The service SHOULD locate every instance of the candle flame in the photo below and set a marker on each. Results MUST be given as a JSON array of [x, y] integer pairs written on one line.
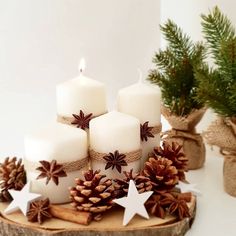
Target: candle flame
[[140, 75], [82, 65]]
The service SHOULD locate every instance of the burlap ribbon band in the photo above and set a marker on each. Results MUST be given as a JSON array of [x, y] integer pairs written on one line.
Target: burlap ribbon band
[[156, 129], [67, 166], [69, 120], [129, 156]]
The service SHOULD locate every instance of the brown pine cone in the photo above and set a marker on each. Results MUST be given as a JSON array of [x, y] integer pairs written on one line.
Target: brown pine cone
[[93, 194], [12, 176], [174, 153], [142, 183], [161, 172]]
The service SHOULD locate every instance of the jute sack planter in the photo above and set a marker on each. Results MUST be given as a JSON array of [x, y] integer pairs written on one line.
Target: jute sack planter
[[183, 131], [222, 133]]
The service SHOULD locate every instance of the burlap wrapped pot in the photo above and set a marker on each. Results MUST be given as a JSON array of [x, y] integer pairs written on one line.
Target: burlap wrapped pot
[[183, 131], [222, 133]]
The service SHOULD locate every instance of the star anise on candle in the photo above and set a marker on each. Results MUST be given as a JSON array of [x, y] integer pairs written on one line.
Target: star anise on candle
[[51, 170], [115, 160], [177, 205], [39, 211], [146, 131], [82, 120]]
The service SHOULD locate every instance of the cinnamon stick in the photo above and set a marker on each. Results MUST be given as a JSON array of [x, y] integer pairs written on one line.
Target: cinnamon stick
[[71, 215]]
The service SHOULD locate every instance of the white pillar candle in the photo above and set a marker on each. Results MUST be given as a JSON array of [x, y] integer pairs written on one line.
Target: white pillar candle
[[112, 132], [81, 93], [142, 101], [58, 142]]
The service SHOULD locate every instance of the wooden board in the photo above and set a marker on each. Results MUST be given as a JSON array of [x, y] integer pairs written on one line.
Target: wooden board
[[16, 224]]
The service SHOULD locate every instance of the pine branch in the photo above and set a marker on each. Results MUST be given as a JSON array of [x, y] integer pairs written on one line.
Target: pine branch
[[174, 71], [217, 87], [217, 28]]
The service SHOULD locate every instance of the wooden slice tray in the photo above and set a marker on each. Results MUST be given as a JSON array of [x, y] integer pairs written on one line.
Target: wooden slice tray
[[16, 224]]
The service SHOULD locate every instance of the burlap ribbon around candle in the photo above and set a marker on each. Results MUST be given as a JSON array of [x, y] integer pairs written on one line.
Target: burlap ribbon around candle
[[156, 129], [129, 156], [68, 120], [183, 132], [67, 166], [222, 133]]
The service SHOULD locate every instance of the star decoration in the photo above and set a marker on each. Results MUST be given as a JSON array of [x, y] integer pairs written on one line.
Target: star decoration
[[184, 187], [51, 170], [115, 159], [146, 131], [133, 203], [82, 120], [21, 200]]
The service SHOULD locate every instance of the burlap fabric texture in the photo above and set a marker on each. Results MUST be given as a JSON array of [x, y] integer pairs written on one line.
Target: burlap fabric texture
[[183, 132], [222, 133]]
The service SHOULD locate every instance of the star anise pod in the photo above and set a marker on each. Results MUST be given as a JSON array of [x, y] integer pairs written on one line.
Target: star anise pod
[[174, 153], [156, 206], [51, 170], [146, 131], [177, 205], [115, 160], [82, 120], [39, 211]]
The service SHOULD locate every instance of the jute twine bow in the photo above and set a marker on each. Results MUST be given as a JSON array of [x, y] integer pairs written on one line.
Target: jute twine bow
[[129, 156], [67, 166]]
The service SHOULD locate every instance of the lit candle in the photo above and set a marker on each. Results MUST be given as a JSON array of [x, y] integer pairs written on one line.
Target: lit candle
[[80, 94], [66, 145], [143, 101], [116, 134]]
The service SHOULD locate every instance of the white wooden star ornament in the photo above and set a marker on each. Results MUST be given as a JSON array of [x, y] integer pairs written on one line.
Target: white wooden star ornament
[[21, 200], [134, 203]]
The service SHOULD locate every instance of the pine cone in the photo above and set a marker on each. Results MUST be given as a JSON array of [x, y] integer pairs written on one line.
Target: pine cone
[[12, 176], [142, 183], [93, 194], [174, 153], [161, 172]]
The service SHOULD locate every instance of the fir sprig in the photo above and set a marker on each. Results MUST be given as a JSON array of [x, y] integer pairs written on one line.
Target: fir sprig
[[217, 87], [175, 70]]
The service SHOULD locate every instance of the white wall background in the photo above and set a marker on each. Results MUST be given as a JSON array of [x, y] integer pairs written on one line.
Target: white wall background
[[41, 42]]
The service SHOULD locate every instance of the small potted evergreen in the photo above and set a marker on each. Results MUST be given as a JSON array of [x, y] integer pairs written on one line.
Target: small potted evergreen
[[217, 89], [174, 73]]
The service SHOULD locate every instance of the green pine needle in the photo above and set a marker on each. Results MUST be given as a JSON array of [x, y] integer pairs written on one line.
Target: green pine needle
[[174, 71], [217, 87]]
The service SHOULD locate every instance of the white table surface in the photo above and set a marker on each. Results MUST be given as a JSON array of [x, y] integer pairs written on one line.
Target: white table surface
[[24, 108]]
